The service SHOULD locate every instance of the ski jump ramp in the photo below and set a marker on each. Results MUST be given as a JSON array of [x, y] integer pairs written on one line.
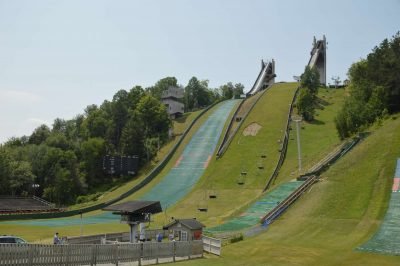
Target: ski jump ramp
[[318, 58], [265, 78]]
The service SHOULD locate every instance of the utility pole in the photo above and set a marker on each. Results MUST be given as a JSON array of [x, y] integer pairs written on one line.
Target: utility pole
[[298, 120]]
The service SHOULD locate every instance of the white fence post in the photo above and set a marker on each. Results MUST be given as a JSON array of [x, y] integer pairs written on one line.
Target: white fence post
[[212, 245], [140, 254], [174, 252]]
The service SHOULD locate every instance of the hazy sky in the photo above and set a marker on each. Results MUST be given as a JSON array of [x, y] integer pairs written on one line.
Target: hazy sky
[[57, 57]]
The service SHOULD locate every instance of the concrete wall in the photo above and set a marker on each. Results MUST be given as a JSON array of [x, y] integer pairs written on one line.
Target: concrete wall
[[173, 106]]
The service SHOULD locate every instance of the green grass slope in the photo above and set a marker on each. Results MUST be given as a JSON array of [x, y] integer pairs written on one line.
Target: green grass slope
[[317, 138], [244, 153], [335, 216]]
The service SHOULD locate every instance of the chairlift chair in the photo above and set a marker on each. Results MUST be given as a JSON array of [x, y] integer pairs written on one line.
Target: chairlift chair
[[202, 205], [212, 194], [260, 165], [240, 180]]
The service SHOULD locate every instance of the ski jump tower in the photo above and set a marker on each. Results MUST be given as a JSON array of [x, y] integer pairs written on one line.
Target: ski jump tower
[[265, 78], [318, 58]]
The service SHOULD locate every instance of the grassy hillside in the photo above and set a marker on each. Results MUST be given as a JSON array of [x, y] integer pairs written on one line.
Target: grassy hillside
[[244, 153], [338, 214], [179, 126], [317, 138]]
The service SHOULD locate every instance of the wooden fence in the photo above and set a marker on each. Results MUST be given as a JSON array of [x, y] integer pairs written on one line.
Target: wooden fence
[[36, 254], [212, 245]]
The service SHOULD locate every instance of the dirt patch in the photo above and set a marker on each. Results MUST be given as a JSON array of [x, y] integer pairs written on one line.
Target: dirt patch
[[252, 129]]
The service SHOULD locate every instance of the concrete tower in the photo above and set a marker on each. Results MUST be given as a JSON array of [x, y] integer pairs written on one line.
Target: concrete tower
[[318, 58], [265, 78]]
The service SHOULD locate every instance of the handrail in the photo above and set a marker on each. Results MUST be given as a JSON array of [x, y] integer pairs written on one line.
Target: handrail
[[278, 210], [224, 146], [284, 145], [311, 177], [44, 201], [226, 134]]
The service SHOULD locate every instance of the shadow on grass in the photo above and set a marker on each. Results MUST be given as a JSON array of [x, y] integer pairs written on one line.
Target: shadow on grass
[[364, 134], [182, 119], [321, 103], [317, 122]]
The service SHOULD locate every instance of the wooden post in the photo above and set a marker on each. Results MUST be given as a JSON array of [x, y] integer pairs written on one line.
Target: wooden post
[[174, 252], [68, 248], [190, 248], [93, 260], [158, 244], [115, 254], [31, 251], [140, 253]]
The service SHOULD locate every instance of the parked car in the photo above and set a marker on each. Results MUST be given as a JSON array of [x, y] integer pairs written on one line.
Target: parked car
[[12, 240]]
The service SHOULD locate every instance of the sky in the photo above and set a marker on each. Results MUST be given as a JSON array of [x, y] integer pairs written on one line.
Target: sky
[[57, 57]]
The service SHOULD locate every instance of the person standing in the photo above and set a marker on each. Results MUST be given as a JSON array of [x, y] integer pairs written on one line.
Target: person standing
[[159, 237], [56, 239]]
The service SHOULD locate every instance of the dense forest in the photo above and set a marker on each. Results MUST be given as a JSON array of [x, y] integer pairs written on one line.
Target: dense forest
[[374, 88], [65, 161]]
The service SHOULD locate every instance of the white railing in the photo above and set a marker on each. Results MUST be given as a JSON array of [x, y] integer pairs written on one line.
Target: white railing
[[151, 252], [119, 237], [212, 245]]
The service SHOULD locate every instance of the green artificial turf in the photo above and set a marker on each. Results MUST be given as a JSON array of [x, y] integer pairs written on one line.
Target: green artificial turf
[[334, 217]]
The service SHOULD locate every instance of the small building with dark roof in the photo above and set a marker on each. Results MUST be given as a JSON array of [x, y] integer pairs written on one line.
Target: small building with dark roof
[[185, 229]]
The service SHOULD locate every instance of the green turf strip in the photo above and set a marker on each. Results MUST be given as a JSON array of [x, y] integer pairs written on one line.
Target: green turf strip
[[387, 239], [257, 210]]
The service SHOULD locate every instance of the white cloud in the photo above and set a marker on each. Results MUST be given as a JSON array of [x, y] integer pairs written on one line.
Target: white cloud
[[18, 97]]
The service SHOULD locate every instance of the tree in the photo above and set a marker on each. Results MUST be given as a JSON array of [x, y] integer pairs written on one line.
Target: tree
[[162, 85], [62, 180], [119, 114], [17, 142], [305, 104], [153, 113], [5, 170], [191, 93], [39, 135], [57, 140], [93, 151], [310, 80], [132, 139], [307, 97], [59, 125], [227, 90], [20, 175], [374, 88], [97, 123], [238, 90], [149, 121]]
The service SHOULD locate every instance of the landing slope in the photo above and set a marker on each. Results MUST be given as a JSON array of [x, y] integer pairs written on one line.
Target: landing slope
[[340, 212], [244, 154]]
